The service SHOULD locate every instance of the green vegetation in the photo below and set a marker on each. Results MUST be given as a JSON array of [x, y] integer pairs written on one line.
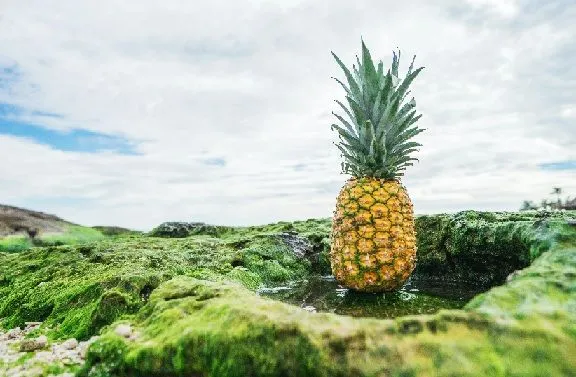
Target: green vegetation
[[112, 231], [192, 327], [14, 244], [73, 235], [545, 204], [192, 304], [78, 289], [483, 247]]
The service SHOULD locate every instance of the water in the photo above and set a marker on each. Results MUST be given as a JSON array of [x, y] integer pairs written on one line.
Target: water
[[323, 294]]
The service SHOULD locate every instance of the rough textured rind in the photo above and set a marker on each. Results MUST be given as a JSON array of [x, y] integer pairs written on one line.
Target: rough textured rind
[[373, 236]]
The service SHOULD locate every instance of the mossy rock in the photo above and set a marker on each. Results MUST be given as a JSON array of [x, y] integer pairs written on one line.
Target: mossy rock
[[193, 305], [193, 327], [184, 229]]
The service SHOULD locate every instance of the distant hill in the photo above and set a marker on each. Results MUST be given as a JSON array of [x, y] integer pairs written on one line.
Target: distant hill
[[15, 220], [21, 229]]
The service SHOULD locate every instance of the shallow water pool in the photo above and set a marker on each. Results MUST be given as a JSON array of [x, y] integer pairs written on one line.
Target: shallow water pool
[[324, 294]]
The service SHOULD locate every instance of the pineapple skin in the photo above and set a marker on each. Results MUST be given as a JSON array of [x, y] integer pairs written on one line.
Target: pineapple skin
[[373, 246]]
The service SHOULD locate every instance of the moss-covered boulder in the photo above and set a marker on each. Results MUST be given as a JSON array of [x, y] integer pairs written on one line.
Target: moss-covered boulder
[[193, 310], [78, 289], [192, 327], [480, 247], [178, 229]]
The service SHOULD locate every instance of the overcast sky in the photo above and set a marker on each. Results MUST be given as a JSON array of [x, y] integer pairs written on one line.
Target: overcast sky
[[132, 113]]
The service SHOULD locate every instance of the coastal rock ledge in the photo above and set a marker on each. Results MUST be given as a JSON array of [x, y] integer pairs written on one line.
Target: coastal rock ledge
[[155, 306]]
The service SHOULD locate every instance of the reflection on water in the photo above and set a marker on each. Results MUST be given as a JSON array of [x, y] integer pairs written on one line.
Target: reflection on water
[[323, 294]]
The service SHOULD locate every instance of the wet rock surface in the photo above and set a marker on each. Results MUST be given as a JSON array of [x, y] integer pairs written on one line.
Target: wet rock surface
[[299, 245]]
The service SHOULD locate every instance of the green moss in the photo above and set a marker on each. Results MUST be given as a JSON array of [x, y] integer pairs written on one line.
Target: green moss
[[73, 235], [14, 244], [243, 275], [215, 340], [213, 329], [270, 258], [186, 326], [114, 231], [481, 247], [78, 289]]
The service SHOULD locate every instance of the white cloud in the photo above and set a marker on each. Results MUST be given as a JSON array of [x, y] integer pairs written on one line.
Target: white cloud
[[249, 82], [502, 8]]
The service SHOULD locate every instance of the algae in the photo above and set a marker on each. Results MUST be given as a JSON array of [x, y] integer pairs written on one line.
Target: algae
[[193, 304], [192, 327], [78, 289]]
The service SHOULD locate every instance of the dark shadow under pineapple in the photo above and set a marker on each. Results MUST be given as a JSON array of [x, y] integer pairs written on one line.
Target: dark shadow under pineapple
[[373, 247]]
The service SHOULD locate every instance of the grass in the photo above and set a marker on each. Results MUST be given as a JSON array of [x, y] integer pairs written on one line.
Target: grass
[[74, 235], [15, 244]]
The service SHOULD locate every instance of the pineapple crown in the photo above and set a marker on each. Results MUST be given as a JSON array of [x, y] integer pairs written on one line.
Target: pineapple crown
[[376, 141]]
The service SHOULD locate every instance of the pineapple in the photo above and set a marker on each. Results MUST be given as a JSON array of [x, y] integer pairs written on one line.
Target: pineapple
[[373, 246]]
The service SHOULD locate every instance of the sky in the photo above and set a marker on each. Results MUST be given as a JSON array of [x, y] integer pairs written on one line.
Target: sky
[[132, 113]]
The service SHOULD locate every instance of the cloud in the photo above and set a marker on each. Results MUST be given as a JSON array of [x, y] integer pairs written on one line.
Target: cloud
[[72, 140], [561, 165], [228, 104]]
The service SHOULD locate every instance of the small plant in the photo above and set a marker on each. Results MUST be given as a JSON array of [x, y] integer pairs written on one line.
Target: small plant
[[568, 204]]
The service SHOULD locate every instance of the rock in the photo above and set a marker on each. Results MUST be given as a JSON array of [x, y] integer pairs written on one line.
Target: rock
[[123, 330], [83, 346], [176, 229], [273, 328], [44, 356], [32, 325], [15, 333], [29, 345], [70, 344], [465, 247], [511, 277], [310, 309], [299, 245]]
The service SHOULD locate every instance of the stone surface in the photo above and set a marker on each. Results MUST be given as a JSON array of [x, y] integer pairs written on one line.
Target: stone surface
[[58, 356], [123, 330], [27, 345], [299, 245], [70, 344], [14, 333]]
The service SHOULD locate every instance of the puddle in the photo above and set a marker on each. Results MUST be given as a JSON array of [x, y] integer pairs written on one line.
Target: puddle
[[323, 294]]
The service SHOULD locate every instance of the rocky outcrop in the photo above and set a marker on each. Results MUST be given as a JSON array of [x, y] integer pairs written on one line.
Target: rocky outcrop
[[480, 248], [193, 327], [184, 229], [188, 306]]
